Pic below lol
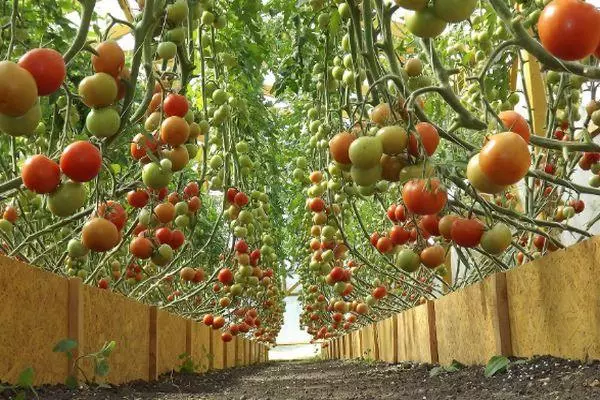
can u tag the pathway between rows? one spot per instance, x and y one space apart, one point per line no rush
543 378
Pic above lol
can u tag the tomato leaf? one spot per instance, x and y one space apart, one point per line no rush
65 345
26 378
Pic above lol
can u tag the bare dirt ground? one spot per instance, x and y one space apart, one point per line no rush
542 378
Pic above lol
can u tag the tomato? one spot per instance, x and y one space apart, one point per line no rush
163 235
454 11
67 199
431 224
18 90
47 68
379 292
393 139
40 174
121 81
382 113
479 180
400 213
424 197
366 152
175 105
218 322
194 204
110 58
208 319
497 239
339 147
178 156
505 158
192 189
99 234
177 239
241 246
166 50
155 103
399 235
198 275
391 167
316 177
374 238
10 214
141 247
138 198
141 143
165 212
98 90
187 274
225 276
241 199
408 260
412 4
81 161
578 205
174 131
514 122
467 232
425 24
103 122
366 176
114 212
384 244
156 177
433 257
24 125
569 29
429 137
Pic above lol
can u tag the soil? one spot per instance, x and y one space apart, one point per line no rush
540 378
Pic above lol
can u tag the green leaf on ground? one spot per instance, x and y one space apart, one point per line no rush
26 378
495 365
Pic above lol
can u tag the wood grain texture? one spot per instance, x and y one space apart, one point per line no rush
413 335
201 346
554 304
466 324
171 338
230 352
218 350
109 316
33 319
153 344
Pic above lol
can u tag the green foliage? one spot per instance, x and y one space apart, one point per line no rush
440 369
99 359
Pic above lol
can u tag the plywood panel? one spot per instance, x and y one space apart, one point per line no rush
171 341
368 342
239 357
109 316
201 346
385 335
246 352
218 350
466 324
356 346
230 353
33 318
554 304
413 335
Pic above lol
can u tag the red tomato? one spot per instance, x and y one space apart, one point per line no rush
505 158
191 189
431 224
384 244
10 214
175 104
374 238
141 247
138 198
103 283
400 213
391 213
424 197
47 68
114 212
241 246
467 232
163 235
399 235
430 139
569 29
317 204
81 161
140 144
225 276
379 292
194 204
40 174
177 239
208 319
231 193
241 199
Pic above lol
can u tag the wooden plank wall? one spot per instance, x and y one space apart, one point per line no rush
550 306
149 341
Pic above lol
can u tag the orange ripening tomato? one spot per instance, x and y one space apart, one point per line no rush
430 139
40 174
467 232
339 146
424 197
514 122
505 158
110 58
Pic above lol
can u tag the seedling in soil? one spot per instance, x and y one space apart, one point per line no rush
499 364
24 384
101 367
455 366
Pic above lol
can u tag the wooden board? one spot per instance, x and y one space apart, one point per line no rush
201 346
230 352
33 319
218 350
413 335
171 340
368 343
239 354
387 341
554 304
246 352
465 323
109 316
